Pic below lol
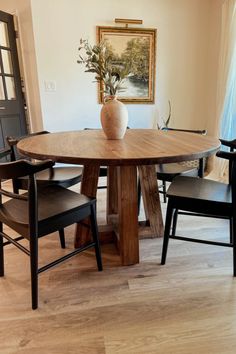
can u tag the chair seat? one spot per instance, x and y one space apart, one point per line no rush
197 194
63 176
52 201
169 171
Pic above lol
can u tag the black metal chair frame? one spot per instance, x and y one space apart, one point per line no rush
213 209
35 228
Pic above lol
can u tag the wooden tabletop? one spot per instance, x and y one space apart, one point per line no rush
139 147
142 148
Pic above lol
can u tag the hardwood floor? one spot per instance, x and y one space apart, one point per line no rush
187 306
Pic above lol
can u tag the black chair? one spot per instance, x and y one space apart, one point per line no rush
39 212
232 147
203 197
64 176
168 171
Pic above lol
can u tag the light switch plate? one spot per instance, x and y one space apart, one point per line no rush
50 86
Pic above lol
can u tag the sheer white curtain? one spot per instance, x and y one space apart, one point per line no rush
226 93
228 119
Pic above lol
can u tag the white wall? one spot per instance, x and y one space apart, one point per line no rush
183 56
214 26
187 57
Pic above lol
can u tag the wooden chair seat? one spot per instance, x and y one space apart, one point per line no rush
201 195
53 201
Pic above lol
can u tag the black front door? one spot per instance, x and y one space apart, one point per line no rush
12 113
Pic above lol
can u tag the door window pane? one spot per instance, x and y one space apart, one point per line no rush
4 40
10 86
2 94
7 63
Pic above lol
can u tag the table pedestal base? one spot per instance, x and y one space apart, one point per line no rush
122 208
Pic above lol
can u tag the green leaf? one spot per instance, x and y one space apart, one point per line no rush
100 59
91 71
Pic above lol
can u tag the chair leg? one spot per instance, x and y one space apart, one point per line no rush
139 196
94 229
232 235
164 191
174 222
62 238
34 272
169 214
1 254
231 230
15 186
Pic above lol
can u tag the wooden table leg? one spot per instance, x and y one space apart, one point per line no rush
128 214
88 187
151 198
112 192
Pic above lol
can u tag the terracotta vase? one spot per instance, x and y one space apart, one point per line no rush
114 118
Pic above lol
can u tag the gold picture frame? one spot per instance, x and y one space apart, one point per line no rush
139 86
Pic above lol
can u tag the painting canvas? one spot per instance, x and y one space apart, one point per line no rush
138 46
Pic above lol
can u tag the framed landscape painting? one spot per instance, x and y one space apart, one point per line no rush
136 46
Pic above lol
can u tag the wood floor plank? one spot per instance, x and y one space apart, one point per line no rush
187 306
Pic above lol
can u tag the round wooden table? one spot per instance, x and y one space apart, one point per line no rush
142 148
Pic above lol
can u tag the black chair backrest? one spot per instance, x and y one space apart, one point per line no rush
232 180
5 155
232 145
202 132
21 168
231 156
201 163
12 142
